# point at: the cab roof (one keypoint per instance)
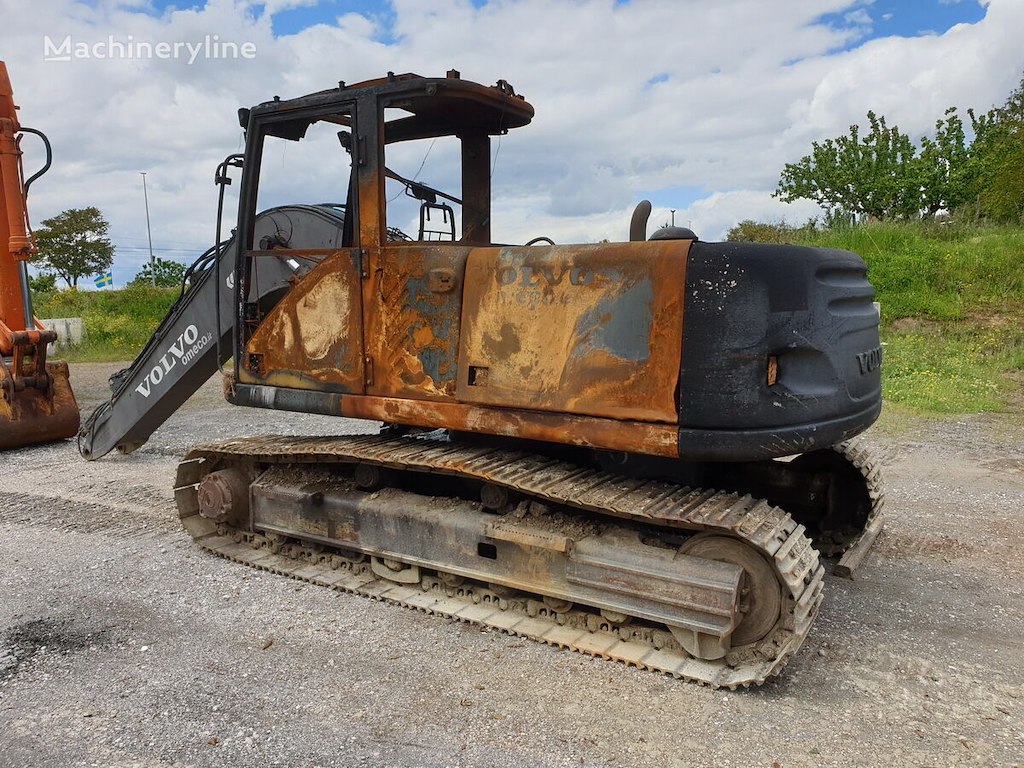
(429, 107)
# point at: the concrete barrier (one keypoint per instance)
(69, 331)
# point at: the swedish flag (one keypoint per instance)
(105, 281)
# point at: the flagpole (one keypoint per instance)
(149, 234)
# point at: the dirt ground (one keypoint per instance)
(122, 644)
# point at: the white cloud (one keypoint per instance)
(714, 215)
(859, 17)
(631, 99)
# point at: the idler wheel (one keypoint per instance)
(761, 597)
(837, 520)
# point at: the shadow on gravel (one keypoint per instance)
(23, 641)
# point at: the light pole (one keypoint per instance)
(149, 233)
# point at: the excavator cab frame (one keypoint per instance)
(373, 116)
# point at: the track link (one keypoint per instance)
(765, 528)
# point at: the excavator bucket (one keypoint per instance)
(35, 415)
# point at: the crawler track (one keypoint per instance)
(673, 509)
(853, 551)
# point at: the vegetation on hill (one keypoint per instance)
(953, 307)
(951, 290)
(117, 323)
(974, 171)
(952, 300)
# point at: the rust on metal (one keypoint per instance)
(609, 565)
(36, 402)
(368, 166)
(313, 336)
(37, 415)
(632, 436)
(413, 309)
(585, 329)
(304, 502)
(407, 325)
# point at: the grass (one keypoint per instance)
(959, 367)
(953, 311)
(933, 271)
(117, 323)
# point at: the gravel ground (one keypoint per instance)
(122, 644)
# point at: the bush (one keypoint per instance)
(117, 323)
(749, 231)
(42, 283)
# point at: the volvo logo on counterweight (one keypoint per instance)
(870, 361)
(183, 350)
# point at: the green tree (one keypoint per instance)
(74, 244)
(875, 176)
(1004, 200)
(45, 282)
(945, 167)
(882, 175)
(997, 158)
(168, 273)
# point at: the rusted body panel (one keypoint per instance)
(517, 341)
(413, 301)
(590, 431)
(312, 339)
(584, 329)
(631, 436)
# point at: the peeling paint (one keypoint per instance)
(322, 316)
(577, 329)
(313, 337)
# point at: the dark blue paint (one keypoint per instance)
(620, 325)
(442, 313)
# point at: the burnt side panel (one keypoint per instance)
(583, 329)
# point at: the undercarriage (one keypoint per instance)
(712, 586)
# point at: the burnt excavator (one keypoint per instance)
(638, 450)
(36, 401)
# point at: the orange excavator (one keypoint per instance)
(37, 404)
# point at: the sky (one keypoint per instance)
(694, 105)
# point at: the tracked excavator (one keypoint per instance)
(640, 450)
(36, 401)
